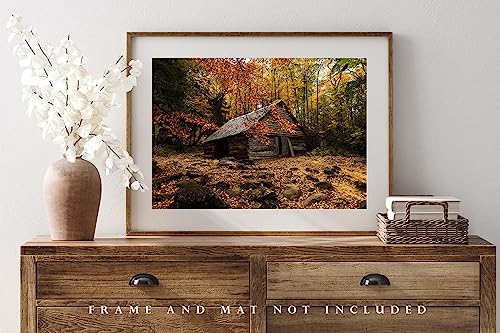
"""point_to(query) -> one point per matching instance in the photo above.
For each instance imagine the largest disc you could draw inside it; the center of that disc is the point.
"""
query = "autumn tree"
(193, 97)
(182, 108)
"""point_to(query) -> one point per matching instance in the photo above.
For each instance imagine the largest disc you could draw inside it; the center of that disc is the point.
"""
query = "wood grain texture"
(371, 302)
(28, 294)
(258, 277)
(488, 294)
(234, 270)
(372, 258)
(254, 233)
(77, 319)
(246, 302)
(178, 280)
(437, 319)
(408, 280)
(360, 246)
(204, 258)
(386, 34)
(151, 301)
(128, 131)
(390, 122)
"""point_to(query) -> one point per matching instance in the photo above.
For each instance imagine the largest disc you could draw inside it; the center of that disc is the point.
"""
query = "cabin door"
(221, 148)
(282, 145)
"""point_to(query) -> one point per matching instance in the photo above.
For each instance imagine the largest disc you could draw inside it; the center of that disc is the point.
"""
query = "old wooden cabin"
(235, 139)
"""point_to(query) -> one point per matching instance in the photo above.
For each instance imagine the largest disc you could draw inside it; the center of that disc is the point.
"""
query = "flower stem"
(116, 63)
(59, 114)
(41, 49)
(30, 47)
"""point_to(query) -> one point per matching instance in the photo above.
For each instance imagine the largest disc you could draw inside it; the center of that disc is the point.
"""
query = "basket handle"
(410, 204)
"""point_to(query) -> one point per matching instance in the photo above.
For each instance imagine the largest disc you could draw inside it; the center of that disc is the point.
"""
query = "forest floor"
(189, 180)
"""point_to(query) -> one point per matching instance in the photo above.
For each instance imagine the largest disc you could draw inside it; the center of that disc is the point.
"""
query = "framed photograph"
(260, 132)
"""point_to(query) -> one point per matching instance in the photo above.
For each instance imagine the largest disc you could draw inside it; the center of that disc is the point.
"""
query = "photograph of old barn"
(259, 133)
(235, 139)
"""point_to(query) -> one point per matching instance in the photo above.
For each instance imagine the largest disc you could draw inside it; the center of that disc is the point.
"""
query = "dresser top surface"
(269, 245)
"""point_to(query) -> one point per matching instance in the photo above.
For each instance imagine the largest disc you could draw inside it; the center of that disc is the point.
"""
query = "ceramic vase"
(72, 193)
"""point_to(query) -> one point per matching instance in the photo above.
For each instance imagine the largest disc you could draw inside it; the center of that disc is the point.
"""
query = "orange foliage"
(241, 79)
(180, 124)
(261, 129)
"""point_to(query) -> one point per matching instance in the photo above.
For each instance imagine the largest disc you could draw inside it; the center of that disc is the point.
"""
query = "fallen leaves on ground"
(232, 180)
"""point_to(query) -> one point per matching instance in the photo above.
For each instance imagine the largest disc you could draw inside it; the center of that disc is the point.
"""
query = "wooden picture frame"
(131, 37)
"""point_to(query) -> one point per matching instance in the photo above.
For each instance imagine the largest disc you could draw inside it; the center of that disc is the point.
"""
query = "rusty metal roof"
(242, 123)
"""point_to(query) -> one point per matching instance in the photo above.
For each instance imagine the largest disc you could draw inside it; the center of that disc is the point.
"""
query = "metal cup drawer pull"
(375, 280)
(143, 280)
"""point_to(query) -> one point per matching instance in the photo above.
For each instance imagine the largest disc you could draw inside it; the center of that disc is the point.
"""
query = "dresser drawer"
(341, 280)
(436, 319)
(110, 280)
(77, 320)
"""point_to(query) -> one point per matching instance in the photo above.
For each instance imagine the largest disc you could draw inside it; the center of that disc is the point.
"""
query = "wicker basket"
(406, 231)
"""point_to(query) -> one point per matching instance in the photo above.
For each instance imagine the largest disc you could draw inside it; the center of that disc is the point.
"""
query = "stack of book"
(396, 207)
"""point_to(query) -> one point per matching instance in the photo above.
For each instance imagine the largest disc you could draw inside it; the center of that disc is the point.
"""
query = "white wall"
(446, 97)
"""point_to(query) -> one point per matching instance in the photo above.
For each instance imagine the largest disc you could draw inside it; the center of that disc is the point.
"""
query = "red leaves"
(180, 125)
(209, 127)
(284, 124)
(273, 123)
(260, 131)
(242, 78)
(228, 72)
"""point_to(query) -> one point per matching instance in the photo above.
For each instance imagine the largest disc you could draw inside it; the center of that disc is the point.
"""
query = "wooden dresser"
(343, 283)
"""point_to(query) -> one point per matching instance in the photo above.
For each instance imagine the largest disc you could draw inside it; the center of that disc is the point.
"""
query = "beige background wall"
(446, 97)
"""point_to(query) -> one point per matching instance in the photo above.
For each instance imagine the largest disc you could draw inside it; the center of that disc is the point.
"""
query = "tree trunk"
(295, 96)
(306, 113)
(317, 98)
